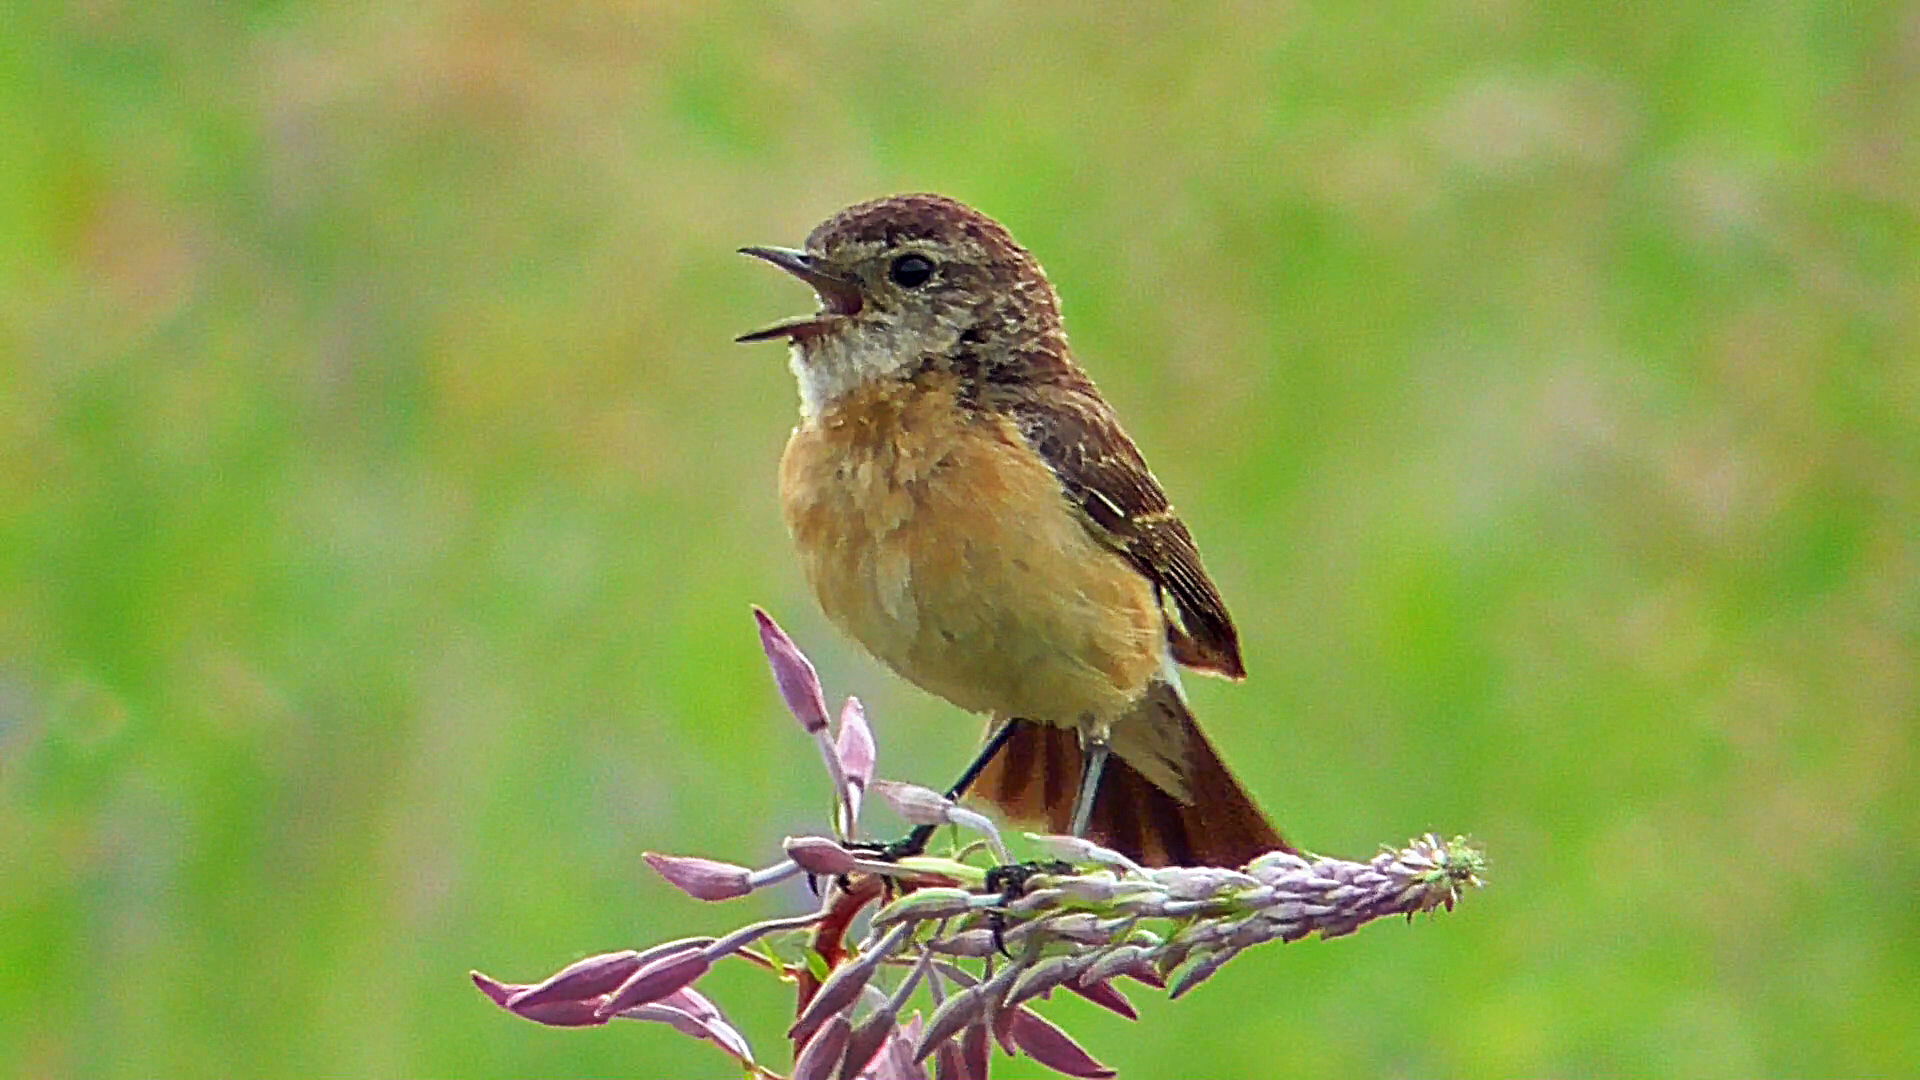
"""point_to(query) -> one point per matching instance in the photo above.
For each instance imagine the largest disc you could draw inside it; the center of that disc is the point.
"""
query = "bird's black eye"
(911, 271)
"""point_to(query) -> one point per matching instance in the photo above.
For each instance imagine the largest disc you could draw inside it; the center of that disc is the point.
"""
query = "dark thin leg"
(1093, 760)
(916, 841)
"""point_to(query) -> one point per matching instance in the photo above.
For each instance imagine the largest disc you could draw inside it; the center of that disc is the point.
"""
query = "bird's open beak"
(839, 297)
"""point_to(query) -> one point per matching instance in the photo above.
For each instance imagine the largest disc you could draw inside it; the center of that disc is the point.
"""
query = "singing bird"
(967, 508)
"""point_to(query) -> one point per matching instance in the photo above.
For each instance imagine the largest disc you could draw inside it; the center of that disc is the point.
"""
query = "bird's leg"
(916, 841)
(1093, 760)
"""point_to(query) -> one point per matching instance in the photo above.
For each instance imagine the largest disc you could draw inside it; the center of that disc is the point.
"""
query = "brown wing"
(1104, 475)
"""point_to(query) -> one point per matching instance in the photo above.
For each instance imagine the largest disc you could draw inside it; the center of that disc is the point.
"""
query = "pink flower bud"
(918, 805)
(657, 980)
(580, 980)
(855, 744)
(793, 673)
(819, 855)
(702, 879)
(553, 1013)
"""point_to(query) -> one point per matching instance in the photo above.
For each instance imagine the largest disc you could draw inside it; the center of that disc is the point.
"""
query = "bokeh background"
(381, 500)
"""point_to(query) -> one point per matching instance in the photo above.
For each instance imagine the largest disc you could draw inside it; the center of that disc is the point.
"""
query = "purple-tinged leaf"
(793, 673)
(1106, 995)
(1119, 960)
(1045, 1043)
(1146, 973)
(702, 879)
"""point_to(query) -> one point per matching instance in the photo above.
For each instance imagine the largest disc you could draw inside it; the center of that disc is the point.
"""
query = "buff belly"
(937, 539)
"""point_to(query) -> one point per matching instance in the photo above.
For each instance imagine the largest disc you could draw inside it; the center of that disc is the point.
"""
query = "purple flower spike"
(702, 879)
(793, 672)
(1045, 1043)
(658, 979)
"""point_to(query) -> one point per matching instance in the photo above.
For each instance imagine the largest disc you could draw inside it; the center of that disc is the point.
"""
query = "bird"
(967, 507)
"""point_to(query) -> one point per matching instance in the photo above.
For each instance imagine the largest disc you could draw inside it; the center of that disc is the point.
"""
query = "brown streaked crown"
(896, 220)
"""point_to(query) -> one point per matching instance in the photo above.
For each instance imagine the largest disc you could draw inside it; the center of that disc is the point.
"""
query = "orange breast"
(939, 540)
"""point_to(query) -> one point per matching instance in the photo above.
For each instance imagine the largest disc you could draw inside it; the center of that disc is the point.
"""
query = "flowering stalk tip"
(888, 930)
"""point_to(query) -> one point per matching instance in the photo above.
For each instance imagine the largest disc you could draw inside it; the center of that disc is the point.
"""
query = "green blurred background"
(383, 500)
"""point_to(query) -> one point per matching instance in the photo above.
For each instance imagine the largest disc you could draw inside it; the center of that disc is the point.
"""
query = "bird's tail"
(1036, 777)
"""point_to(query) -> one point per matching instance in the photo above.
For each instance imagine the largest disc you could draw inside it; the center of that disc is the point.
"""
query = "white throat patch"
(831, 366)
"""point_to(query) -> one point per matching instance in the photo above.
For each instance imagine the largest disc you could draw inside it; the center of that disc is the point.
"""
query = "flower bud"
(793, 673)
(658, 979)
(581, 980)
(702, 879)
(935, 902)
(822, 1053)
(819, 855)
(918, 805)
(854, 743)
